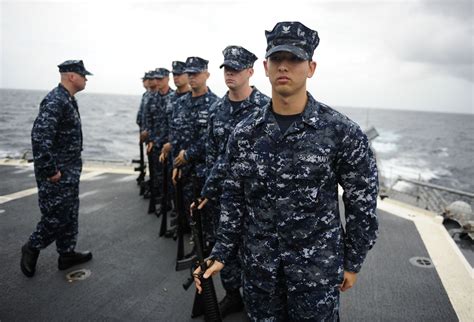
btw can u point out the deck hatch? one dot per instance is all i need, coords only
(78, 275)
(423, 262)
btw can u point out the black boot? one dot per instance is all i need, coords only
(170, 232)
(68, 260)
(29, 257)
(232, 302)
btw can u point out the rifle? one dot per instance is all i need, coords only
(206, 302)
(141, 168)
(164, 199)
(181, 220)
(151, 166)
(182, 261)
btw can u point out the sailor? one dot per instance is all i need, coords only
(145, 79)
(238, 103)
(280, 196)
(56, 140)
(190, 122)
(181, 81)
(157, 114)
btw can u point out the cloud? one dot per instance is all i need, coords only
(439, 35)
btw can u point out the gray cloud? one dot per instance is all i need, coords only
(458, 9)
(439, 34)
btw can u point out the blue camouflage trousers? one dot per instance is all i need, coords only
(231, 274)
(285, 302)
(59, 206)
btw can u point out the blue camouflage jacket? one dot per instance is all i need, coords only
(171, 109)
(281, 197)
(190, 122)
(157, 119)
(56, 137)
(140, 111)
(222, 121)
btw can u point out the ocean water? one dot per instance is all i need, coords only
(433, 147)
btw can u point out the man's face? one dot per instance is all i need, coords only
(198, 80)
(152, 83)
(235, 79)
(78, 81)
(180, 79)
(162, 82)
(288, 73)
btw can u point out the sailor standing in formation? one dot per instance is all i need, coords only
(280, 196)
(190, 122)
(56, 140)
(238, 103)
(181, 81)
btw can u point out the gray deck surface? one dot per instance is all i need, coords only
(133, 277)
(15, 179)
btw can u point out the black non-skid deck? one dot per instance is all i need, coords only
(132, 272)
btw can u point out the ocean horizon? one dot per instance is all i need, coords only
(435, 147)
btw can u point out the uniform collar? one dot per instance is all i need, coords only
(249, 101)
(309, 116)
(198, 99)
(65, 92)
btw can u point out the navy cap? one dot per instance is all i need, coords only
(238, 58)
(161, 73)
(178, 67)
(147, 75)
(195, 65)
(153, 74)
(293, 37)
(73, 66)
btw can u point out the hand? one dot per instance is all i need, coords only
(213, 270)
(149, 147)
(162, 157)
(180, 160)
(55, 178)
(202, 203)
(165, 150)
(143, 136)
(350, 279)
(176, 175)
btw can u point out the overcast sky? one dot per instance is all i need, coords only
(412, 54)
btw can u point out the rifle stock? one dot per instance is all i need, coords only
(207, 301)
(141, 167)
(151, 166)
(181, 220)
(164, 199)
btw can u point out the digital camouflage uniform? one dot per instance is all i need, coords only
(222, 121)
(171, 106)
(56, 140)
(280, 205)
(143, 102)
(190, 122)
(156, 124)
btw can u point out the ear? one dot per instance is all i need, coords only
(265, 62)
(250, 72)
(312, 68)
(207, 75)
(71, 77)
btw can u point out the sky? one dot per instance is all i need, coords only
(411, 54)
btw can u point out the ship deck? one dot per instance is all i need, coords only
(133, 277)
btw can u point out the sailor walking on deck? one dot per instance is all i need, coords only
(280, 196)
(57, 144)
